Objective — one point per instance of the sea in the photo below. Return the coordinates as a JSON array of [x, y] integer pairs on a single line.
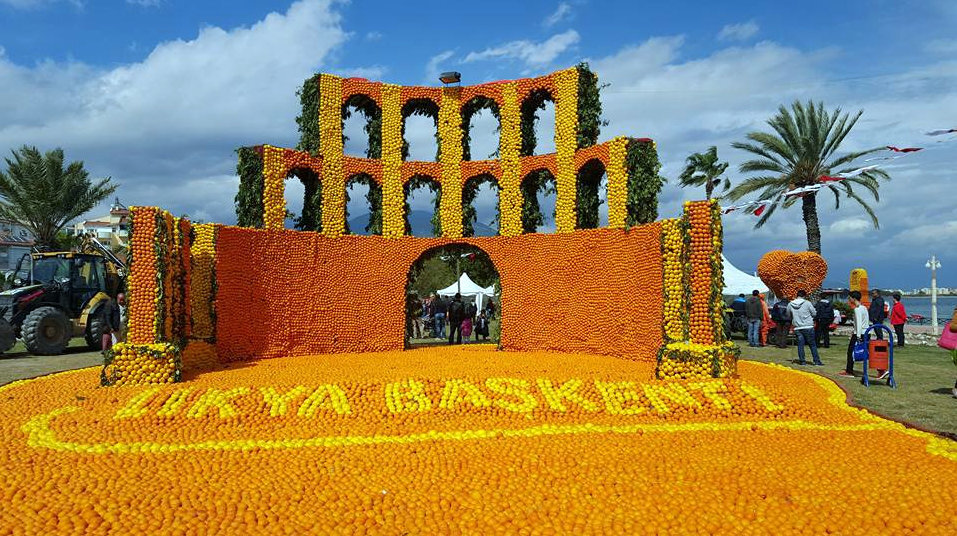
[[920, 305]]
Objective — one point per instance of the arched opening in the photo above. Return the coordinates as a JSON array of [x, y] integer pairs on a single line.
[[591, 194], [432, 317], [362, 131], [420, 130], [294, 192], [538, 123], [363, 212], [309, 216], [423, 196], [539, 192], [481, 128], [480, 206]]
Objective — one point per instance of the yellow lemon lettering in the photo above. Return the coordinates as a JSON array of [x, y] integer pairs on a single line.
[[513, 387], [407, 396], [137, 406], [330, 397], [458, 391], [568, 391], [218, 399], [279, 402]]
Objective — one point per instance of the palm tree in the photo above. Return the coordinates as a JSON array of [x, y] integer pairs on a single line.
[[799, 152], [704, 168], [40, 194]]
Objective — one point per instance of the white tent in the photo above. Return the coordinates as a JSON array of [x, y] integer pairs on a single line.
[[467, 287], [738, 282]]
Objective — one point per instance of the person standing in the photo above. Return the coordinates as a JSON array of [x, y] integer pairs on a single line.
[[490, 309], [876, 313], [481, 327], [456, 314], [802, 317], [413, 308], [440, 309], [823, 314], [860, 315], [779, 314], [765, 321], [754, 313], [110, 313], [124, 318], [898, 318]]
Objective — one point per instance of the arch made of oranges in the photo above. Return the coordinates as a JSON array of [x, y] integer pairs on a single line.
[[513, 102]]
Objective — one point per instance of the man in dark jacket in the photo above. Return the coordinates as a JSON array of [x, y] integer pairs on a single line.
[[782, 319], [456, 315], [823, 315], [438, 314], [876, 313], [754, 313]]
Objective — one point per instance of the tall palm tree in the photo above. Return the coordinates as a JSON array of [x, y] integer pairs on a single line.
[[40, 194], [704, 168], [800, 151]]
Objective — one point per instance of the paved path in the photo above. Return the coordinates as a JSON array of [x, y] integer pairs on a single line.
[[20, 366]]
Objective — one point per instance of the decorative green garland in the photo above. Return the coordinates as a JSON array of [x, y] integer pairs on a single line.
[[469, 192], [374, 197], [644, 182], [425, 108], [589, 107], [308, 119], [587, 185], [249, 198], [468, 111], [434, 187], [311, 217]]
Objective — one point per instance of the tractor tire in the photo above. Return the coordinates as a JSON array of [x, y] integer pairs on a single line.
[[8, 336], [46, 331], [94, 332]]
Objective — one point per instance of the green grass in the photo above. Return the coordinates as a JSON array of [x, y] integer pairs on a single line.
[[925, 376]]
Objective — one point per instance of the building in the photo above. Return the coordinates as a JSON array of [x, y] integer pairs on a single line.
[[15, 241], [112, 230]]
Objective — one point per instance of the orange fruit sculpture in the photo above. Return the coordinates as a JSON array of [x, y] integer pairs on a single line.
[[786, 272]]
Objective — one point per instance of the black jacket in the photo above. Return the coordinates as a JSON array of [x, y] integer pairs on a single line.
[[876, 311], [824, 311], [456, 312]]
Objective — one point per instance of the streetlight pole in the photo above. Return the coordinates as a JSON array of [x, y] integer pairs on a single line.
[[933, 264]]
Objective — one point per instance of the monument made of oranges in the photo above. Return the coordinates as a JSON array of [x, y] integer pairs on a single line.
[[639, 288]]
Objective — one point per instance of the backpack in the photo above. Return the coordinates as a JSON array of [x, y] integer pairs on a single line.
[[779, 312], [824, 312]]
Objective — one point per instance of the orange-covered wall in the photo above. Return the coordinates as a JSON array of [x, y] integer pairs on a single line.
[[283, 293]]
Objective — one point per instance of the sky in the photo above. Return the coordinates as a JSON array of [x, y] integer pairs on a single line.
[[157, 94]]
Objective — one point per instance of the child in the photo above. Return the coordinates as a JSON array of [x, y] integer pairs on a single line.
[[466, 328], [861, 321], [898, 319], [481, 327]]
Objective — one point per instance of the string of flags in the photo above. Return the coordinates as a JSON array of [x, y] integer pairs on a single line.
[[760, 206]]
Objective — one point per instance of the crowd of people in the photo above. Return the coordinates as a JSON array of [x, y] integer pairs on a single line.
[[436, 317], [812, 324]]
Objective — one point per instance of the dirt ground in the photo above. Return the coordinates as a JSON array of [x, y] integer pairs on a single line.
[[18, 365]]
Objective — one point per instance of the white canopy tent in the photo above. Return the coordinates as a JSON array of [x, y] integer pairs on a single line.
[[738, 282], [467, 287]]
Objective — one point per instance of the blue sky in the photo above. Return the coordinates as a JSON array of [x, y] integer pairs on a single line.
[[157, 94]]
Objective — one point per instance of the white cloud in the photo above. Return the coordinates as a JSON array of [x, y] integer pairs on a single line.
[[145, 3], [738, 32], [851, 226], [531, 53], [373, 36], [163, 126], [563, 11], [435, 66], [690, 103]]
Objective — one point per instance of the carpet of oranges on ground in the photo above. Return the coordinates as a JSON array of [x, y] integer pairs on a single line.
[[463, 440]]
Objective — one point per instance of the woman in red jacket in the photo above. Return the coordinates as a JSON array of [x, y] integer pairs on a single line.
[[898, 318]]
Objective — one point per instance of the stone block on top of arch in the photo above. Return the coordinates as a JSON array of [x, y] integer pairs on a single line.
[[598, 152], [534, 163]]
